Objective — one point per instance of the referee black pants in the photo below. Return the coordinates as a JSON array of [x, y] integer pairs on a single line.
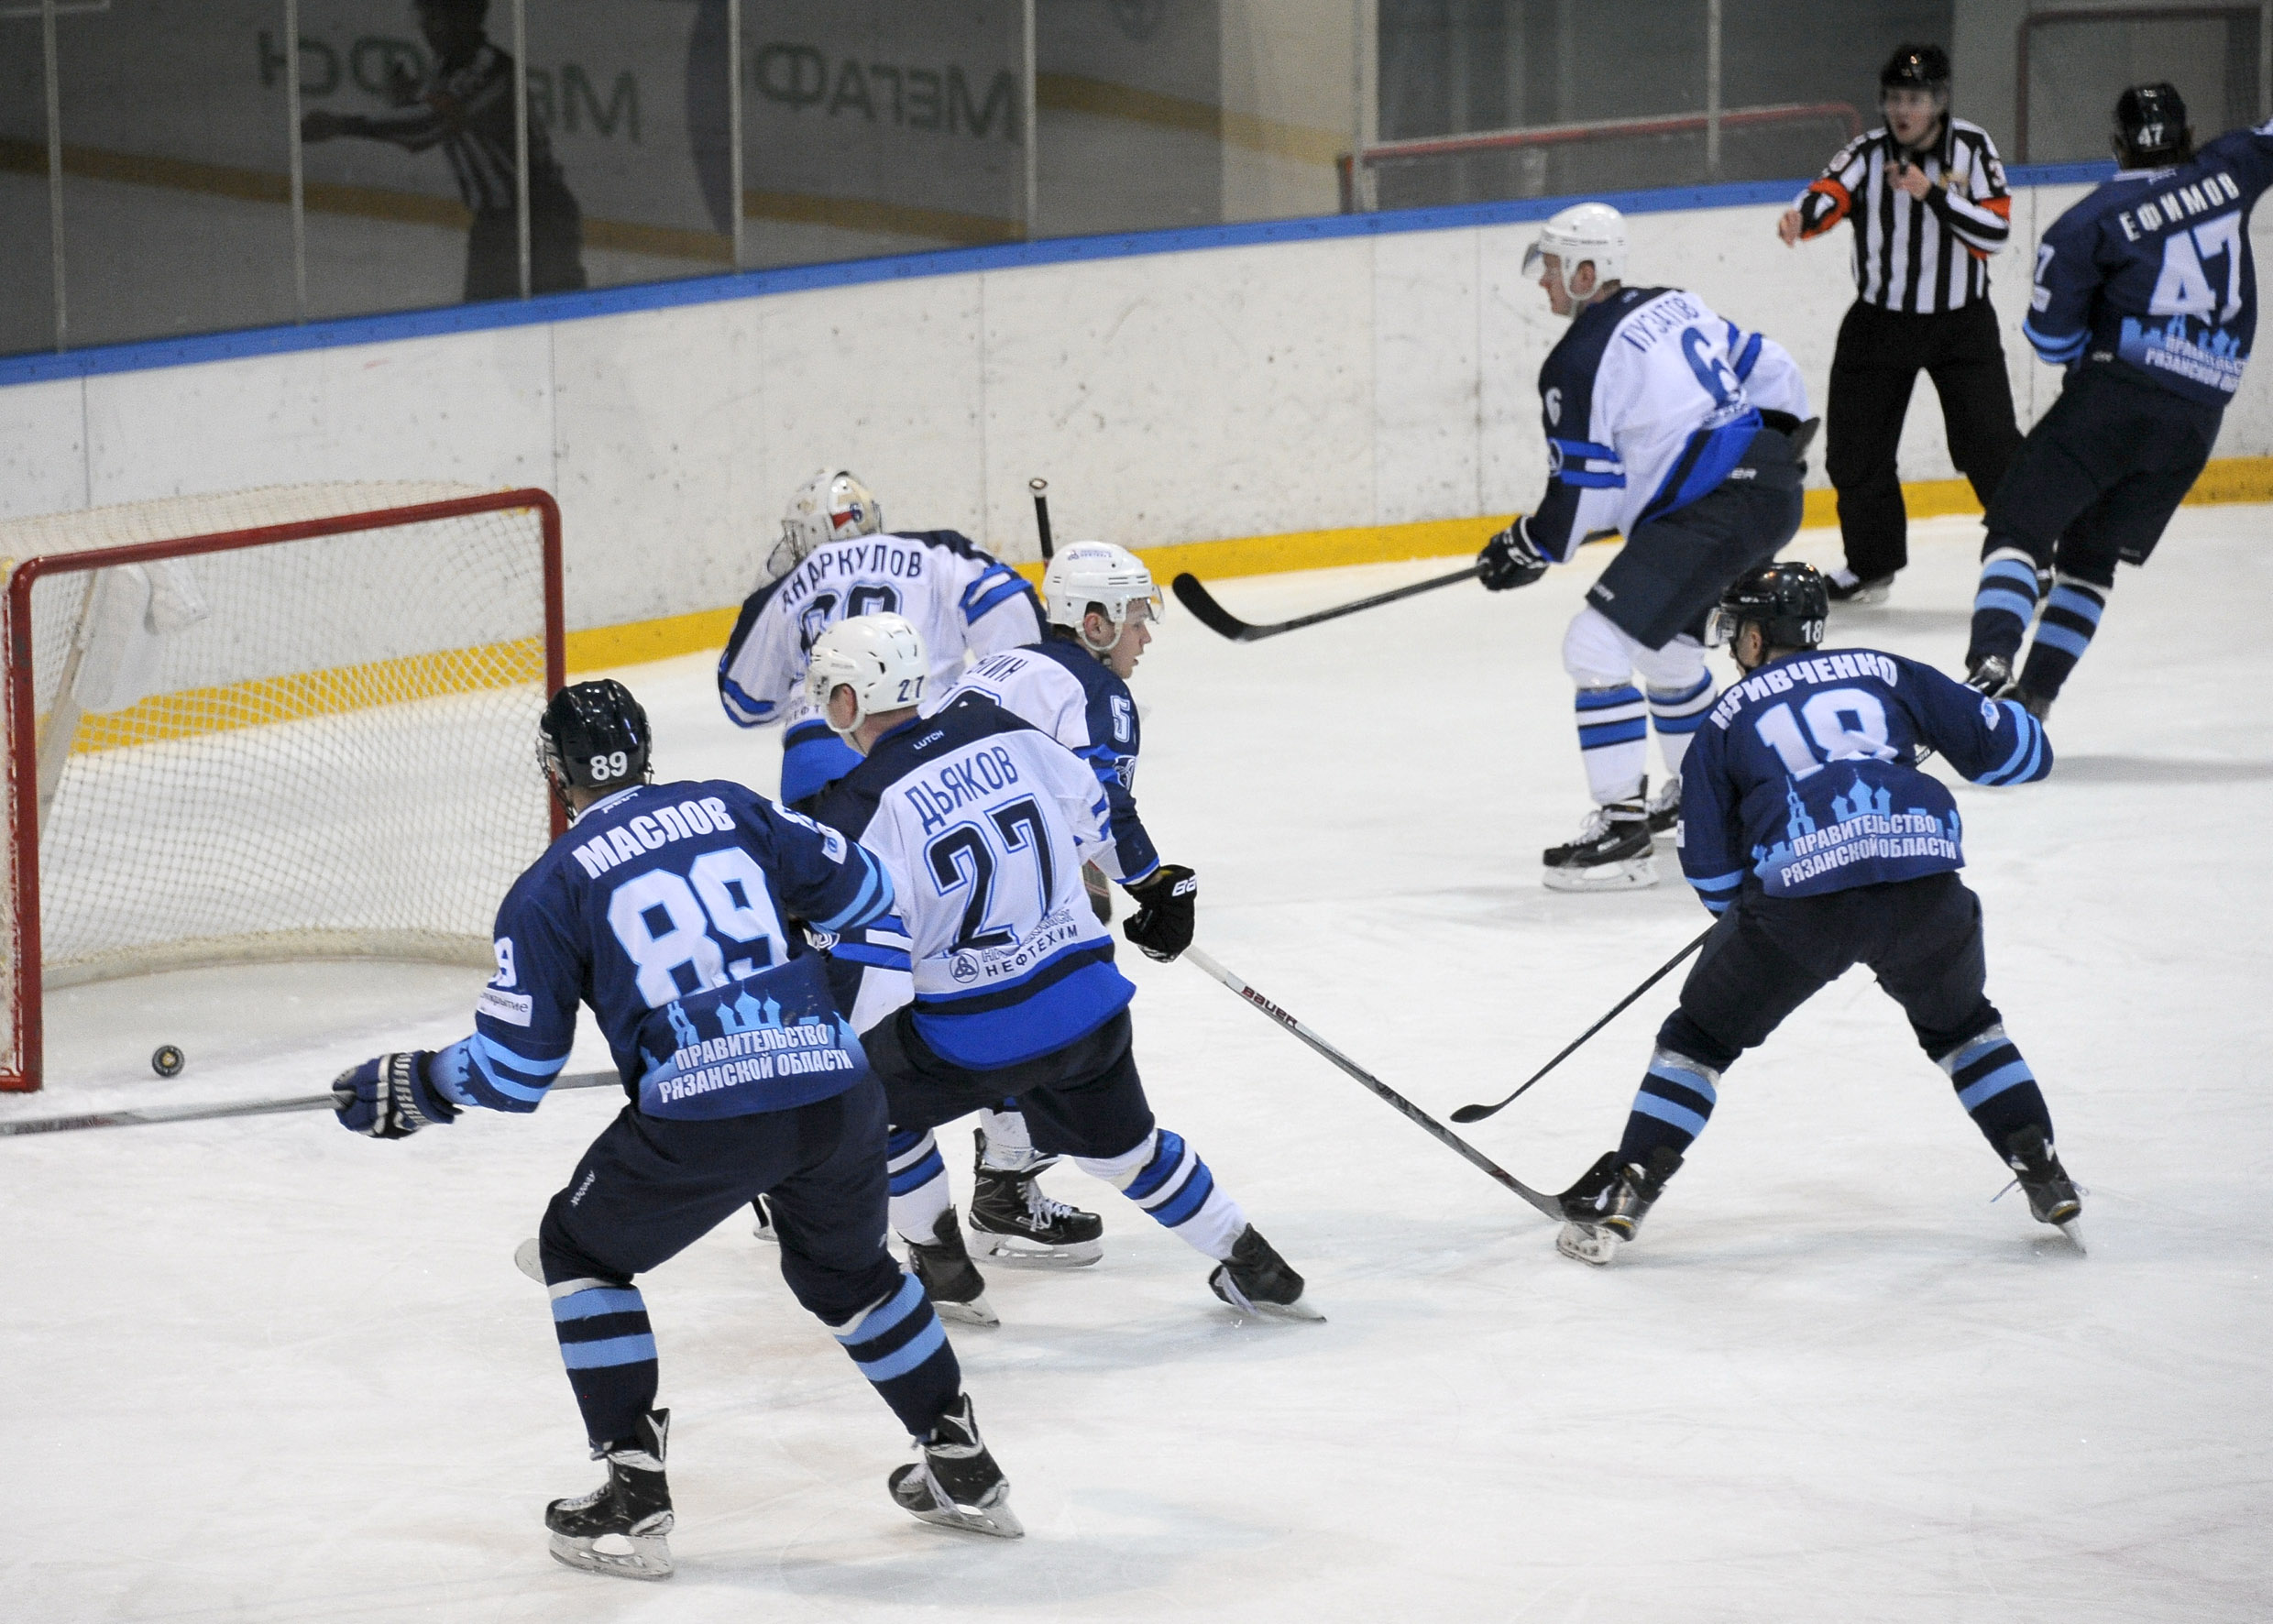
[[1875, 367]]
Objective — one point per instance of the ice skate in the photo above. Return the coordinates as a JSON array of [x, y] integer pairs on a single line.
[[1664, 807], [954, 1482], [762, 1221], [1843, 586], [2052, 1195], [1604, 1208], [633, 1508], [1013, 1220], [2037, 704], [1611, 852], [1255, 1280], [1990, 675], [957, 1288]]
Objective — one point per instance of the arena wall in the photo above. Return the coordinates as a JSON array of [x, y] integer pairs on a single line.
[[1238, 398]]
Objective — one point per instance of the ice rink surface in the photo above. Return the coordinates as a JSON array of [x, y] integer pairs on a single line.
[[264, 1371]]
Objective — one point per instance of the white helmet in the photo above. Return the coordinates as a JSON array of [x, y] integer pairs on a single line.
[[1587, 231], [1102, 575], [828, 508], [880, 657]]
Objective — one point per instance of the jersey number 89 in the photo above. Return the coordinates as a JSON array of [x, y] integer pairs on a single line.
[[670, 926]]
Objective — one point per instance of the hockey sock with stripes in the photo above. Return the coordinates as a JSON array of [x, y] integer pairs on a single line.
[[1676, 1102], [2004, 604], [609, 1349], [900, 1347], [1676, 714], [919, 1191], [1613, 741], [1995, 1086], [1167, 1179], [1009, 1148], [2072, 614]]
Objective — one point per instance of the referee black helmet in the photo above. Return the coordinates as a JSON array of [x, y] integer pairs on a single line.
[[1785, 599], [1916, 67], [2151, 129], [593, 735]]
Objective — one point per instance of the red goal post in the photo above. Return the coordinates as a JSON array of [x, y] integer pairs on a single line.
[[311, 739]]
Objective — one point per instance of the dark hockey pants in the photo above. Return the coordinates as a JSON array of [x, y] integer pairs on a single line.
[[1769, 955], [2096, 483], [1874, 372], [650, 1188]]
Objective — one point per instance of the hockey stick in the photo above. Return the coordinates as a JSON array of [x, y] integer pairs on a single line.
[[1479, 1112], [1040, 488], [1224, 623], [1413, 1113], [325, 1102]]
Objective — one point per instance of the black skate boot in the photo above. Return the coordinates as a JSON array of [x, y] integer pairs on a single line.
[[2052, 1195], [1602, 1211], [1612, 853], [762, 1212], [1255, 1280], [1664, 807], [633, 1505], [1016, 1221], [954, 1482], [1992, 674], [957, 1288], [2037, 704], [1843, 586]]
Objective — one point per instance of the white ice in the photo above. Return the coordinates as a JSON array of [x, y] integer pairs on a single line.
[[264, 1371]]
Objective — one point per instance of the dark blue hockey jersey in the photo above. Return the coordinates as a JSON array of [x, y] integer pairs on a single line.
[[1807, 777], [2153, 273], [662, 907]]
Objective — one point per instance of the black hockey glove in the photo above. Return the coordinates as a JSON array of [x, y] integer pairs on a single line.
[[1509, 560], [389, 1098], [1167, 898]]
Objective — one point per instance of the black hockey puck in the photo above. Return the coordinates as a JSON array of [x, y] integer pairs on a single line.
[[167, 1061]]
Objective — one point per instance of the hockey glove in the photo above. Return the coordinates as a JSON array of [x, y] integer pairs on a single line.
[[1509, 560], [389, 1098], [1166, 900]]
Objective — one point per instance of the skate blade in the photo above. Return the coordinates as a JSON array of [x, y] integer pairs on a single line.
[[2074, 1232], [1590, 1242], [1021, 1249], [525, 1259], [1635, 874], [1300, 1309], [998, 1519], [977, 1311], [764, 1231], [649, 1557]]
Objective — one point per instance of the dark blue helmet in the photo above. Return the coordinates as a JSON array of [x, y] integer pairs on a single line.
[[2151, 129]]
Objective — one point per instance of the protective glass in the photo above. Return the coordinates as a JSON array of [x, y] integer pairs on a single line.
[[1534, 259], [1721, 627]]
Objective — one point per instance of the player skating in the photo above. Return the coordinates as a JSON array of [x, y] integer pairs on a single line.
[[662, 907], [2147, 293], [836, 560], [1808, 828], [985, 821], [1672, 425], [1073, 685]]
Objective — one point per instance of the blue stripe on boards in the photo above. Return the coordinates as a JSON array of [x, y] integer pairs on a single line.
[[1604, 699], [1995, 1084], [1998, 600], [586, 1305], [1664, 1110], [899, 1361], [1604, 734], [599, 1355], [2063, 638]]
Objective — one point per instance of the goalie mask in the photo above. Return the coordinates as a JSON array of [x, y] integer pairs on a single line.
[[828, 508], [880, 657], [593, 735], [1101, 575]]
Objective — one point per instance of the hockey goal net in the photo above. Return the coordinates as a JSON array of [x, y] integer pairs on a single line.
[[283, 724]]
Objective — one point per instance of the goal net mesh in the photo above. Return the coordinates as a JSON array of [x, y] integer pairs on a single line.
[[321, 747]]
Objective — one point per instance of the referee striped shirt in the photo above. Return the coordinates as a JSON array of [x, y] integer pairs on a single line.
[[1915, 255]]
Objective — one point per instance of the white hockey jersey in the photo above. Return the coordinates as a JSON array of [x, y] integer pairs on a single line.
[[1648, 402]]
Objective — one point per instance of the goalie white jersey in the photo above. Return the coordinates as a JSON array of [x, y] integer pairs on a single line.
[[960, 598]]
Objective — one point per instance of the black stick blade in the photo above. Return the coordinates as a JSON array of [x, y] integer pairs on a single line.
[[1471, 1113], [1207, 611]]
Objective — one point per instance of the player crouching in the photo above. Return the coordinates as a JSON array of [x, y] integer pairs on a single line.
[[985, 821], [1810, 830], [662, 907]]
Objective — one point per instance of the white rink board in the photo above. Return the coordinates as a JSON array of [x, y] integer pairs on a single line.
[[266, 1371], [1191, 396]]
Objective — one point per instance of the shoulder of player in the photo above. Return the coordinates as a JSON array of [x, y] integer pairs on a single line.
[[1964, 132], [947, 540]]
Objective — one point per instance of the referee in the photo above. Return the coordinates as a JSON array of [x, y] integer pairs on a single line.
[[1926, 194]]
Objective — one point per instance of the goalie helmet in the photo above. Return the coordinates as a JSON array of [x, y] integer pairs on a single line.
[[1584, 233], [1785, 599], [2151, 129], [880, 657], [828, 508], [1101, 575], [593, 735]]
